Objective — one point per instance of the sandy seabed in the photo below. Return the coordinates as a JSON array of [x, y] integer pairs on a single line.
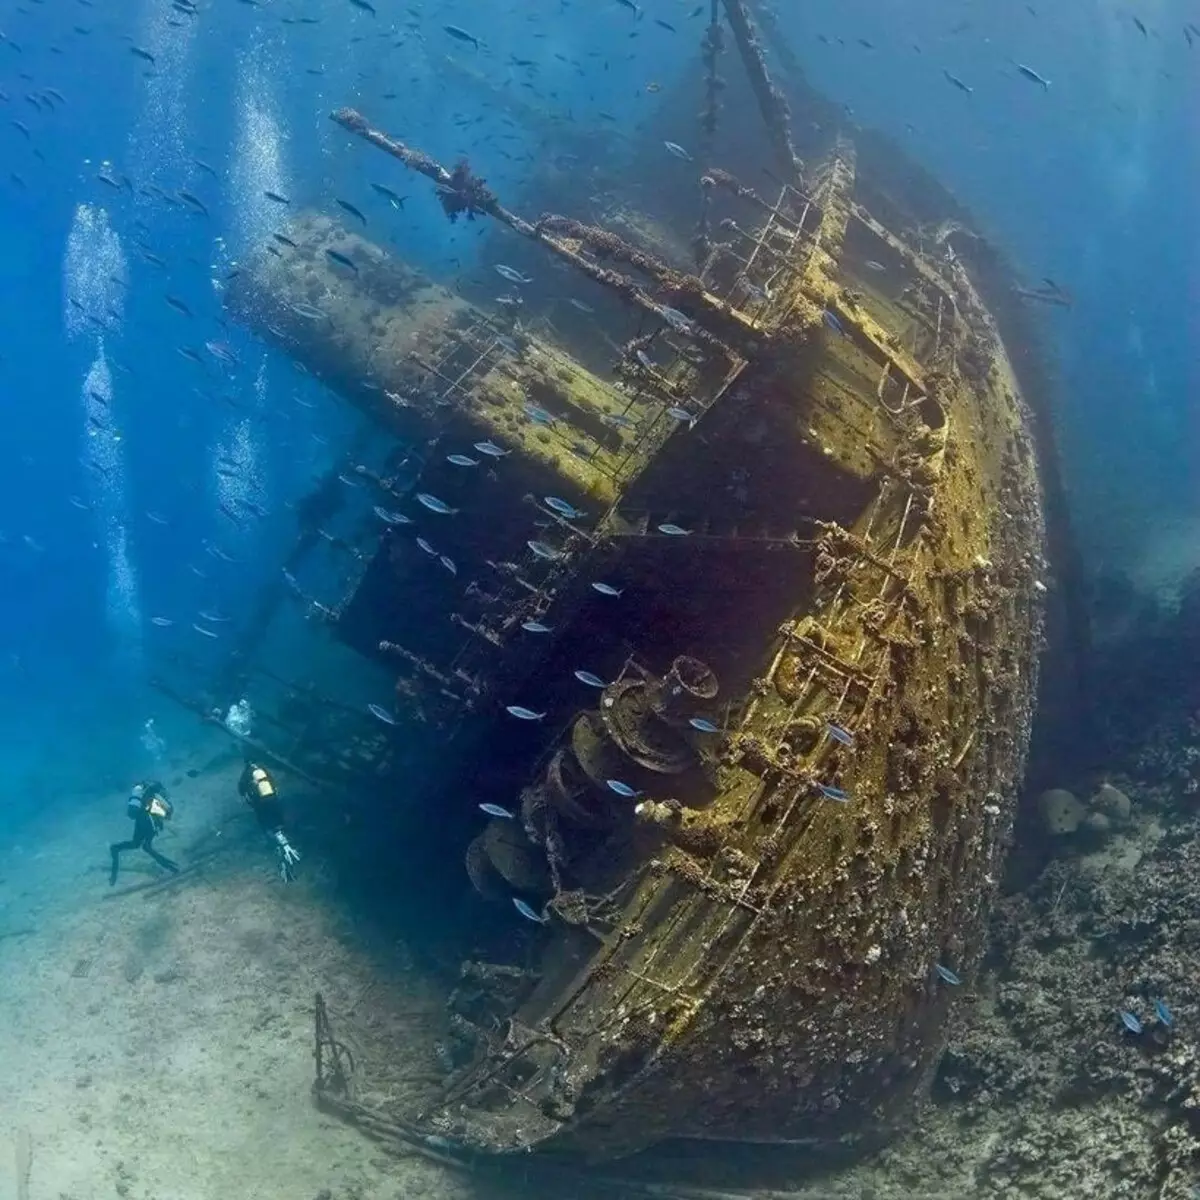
[[157, 1043]]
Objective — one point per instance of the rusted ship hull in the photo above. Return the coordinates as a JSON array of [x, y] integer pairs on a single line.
[[747, 947], [746, 631]]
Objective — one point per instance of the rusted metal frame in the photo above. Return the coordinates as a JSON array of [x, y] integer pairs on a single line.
[[771, 102], [484, 201]]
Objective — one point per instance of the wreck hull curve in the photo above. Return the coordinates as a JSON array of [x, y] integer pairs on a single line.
[[773, 973], [748, 948]]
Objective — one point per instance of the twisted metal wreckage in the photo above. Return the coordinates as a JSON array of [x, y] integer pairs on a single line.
[[813, 474]]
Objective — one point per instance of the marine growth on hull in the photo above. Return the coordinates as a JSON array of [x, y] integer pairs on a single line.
[[702, 548]]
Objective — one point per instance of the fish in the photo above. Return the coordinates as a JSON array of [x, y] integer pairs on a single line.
[[680, 322], [178, 305], [528, 912], [678, 151], [539, 416], [1032, 75], [434, 504], [673, 530], [703, 725], [590, 679], [633, 8], [461, 35], [391, 518], [194, 201], [157, 518], [448, 563], [208, 633], [618, 421], [622, 789], [1163, 1013], [461, 460], [341, 259], [365, 5], [143, 54], [161, 622], [377, 710], [276, 197], [579, 304], [946, 975], [839, 734], [309, 312], [562, 507], [490, 449], [606, 589], [352, 210], [212, 617], [831, 319], [424, 545], [1130, 1020], [393, 198], [681, 414], [832, 793], [494, 810], [541, 550], [524, 714], [507, 343], [958, 83], [512, 274], [535, 627], [1141, 27], [875, 265]]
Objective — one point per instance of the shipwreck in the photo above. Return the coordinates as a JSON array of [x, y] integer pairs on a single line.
[[717, 575]]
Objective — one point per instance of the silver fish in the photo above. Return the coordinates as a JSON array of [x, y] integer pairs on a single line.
[[161, 622], [579, 304], [490, 449], [704, 725], [539, 416], [461, 460], [590, 679], [494, 810], [606, 589], [562, 508], [535, 627], [434, 504], [512, 274], [391, 518], [208, 633], [840, 734], [622, 789], [425, 546], [528, 912], [673, 530], [377, 710], [544, 551], [523, 714], [680, 322], [448, 563], [676, 149]]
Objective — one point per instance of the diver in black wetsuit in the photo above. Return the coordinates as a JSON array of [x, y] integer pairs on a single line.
[[148, 808], [257, 788]]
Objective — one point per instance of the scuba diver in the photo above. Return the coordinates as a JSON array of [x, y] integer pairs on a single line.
[[148, 808], [257, 788]]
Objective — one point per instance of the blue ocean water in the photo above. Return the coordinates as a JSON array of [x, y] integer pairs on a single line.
[[1089, 182], [155, 449]]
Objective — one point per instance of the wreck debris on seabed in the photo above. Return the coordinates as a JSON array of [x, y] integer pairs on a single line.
[[744, 630]]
